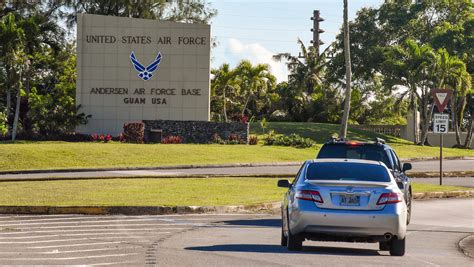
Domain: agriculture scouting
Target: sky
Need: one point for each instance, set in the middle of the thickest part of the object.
(258, 29)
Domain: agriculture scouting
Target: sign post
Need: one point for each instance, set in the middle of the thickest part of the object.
(441, 122)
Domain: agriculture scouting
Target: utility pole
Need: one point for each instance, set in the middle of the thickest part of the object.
(316, 30)
(347, 56)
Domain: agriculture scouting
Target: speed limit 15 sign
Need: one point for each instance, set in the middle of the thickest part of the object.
(440, 123)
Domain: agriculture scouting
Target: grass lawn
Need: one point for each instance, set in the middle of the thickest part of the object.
(152, 192)
(64, 155)
(321, 132)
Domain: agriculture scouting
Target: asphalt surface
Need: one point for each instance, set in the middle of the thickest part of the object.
(222, 240)
(418, 166)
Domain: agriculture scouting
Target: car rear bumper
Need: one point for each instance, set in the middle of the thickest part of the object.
(306, 218)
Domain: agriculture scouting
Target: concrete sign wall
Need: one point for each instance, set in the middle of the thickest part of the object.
(136, 69)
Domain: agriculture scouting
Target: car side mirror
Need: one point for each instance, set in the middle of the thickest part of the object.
(284, 183)
(406, 167)
(400, 185)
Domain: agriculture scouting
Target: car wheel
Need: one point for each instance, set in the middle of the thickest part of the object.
(408, 207)
(284, 239)
(384, 245)
(294, 242)
(397, 247)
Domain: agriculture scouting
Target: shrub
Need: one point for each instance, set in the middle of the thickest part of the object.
(120, 138)
(270, 138)
(233, 139)
(293, 140)
(172, 139)
(101, 138)
(134, 132)
(107, 138)
(3, 124)
(253, 140)
(216, 139)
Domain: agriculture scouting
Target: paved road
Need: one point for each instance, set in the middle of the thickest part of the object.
(221, 240)
(420, 166)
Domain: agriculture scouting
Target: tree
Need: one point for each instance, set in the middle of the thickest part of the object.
(450, 73)
(347, 60)
(307, 89)
(254, 81)
(196, 11)
(223, 80)
(12, 40)
(407, 66)
(436, 23)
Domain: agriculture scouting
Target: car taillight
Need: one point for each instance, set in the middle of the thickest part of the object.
(387, 198)
(309, 195)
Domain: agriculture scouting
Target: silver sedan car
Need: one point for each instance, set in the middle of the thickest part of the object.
(344, 200)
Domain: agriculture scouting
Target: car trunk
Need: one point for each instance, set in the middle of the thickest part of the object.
(350, 195)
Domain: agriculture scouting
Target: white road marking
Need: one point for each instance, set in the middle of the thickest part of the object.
(92, 230)
(65, 235)
(66, 240)
(127, 263)
(82, 222)
(63, 251)
(106, 225)
(71, 258)
(79, 245)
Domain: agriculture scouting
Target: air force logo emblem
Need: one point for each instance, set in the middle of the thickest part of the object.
(145, 72)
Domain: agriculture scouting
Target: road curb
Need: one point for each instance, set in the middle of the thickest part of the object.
(202, 166)
(448, 194)
(272, 207)
(138, 210)
(467, 245)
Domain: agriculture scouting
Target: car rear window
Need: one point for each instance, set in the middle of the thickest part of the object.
(367, 152)
(347, 171)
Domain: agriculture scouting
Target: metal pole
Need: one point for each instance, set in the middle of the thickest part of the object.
(440, 159)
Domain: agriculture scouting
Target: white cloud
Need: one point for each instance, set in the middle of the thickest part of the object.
(257, 53)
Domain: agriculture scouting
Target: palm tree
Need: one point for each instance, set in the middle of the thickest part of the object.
(307, 73)
(253, 81)
(409, 66)
(223, 80)
(11, 42)
(449, 72)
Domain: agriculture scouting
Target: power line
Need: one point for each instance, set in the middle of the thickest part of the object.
(254, 39)
(261, 17)
(265, 29)
(278, 18)
(262, 29)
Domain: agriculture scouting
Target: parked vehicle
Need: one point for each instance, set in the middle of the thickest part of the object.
(344, 200)
(376, 151)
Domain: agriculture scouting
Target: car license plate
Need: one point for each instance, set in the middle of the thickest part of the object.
(348, 200)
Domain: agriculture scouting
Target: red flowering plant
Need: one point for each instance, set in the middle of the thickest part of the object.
(240, 118)
(172, 139)
(107, 138)
(95, 137)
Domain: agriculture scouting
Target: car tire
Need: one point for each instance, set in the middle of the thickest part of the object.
(409, 202)
(397, 247)
(284, 239)
(384, 245)
(294, 242)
